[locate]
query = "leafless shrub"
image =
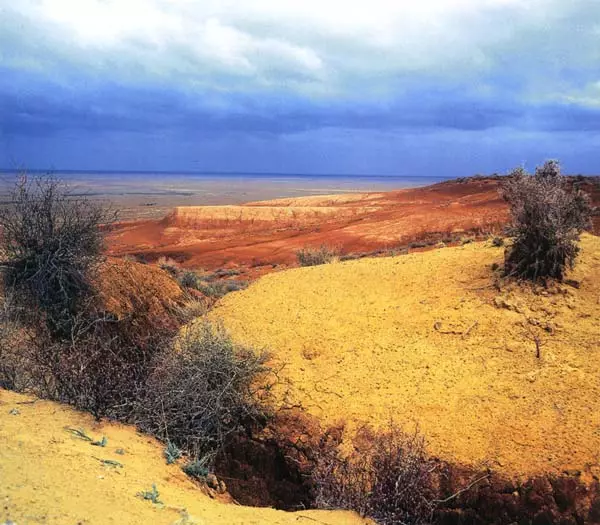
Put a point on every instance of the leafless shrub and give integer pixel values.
(15, 344)
(388, 477)
(201, 394)
(51, 241)
(103, 365)
(547, 219)
(315, 256)
(69, 348)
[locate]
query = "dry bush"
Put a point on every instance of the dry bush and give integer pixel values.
(105, 364)
(69, 348)
(388, 478)
(315, 256)
(547, 219)
(51, 243)
(208, 389)
(15, 345)
(188, 279)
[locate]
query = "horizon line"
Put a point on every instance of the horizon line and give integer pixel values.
(203, 172)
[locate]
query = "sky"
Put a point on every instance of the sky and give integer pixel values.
(421, 87)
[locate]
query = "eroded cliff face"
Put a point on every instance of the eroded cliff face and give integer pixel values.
(270, 232)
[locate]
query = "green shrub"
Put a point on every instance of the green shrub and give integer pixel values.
(198, 469)
(150, 495)
(172, 453)
(218, 289)
(188, 279)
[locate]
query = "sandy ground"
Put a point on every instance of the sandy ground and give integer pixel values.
(49, 476)
(425, 339)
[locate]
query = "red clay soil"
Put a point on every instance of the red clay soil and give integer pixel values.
(261, 235)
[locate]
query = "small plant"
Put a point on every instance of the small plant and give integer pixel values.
(218, 289)
(315, 256)
(188, 279)
(80, 433)
(172, 453)
(102, 443)
(197, 469)
(110, 462)
(150, 495)
(547, 218)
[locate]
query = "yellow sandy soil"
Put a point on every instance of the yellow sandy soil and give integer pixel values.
(425, 339)
(49, 476)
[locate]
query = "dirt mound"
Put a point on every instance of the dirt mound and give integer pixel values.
(125, 286)
(48, 475)
(426, 339)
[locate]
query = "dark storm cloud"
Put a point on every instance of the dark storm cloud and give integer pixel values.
(320, 74)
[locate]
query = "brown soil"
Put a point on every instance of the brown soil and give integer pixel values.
(125, 286)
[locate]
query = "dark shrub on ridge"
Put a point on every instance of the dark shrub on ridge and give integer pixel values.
(51, 243)
(547, 218)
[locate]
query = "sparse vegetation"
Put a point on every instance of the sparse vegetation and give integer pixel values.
(199, 468)
(212, 284)
(203, 393)
(169, 265)
(388, 478)
(547, 218)
(315, 256)
(73, 351)
(218, 289)
(51, 242)
(150, 495)
(188, 279)
(172, 453)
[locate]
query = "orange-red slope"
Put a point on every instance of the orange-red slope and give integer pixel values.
(270, 232)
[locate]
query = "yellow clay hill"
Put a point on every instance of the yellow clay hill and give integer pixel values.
(426, 339)
(49, 476)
